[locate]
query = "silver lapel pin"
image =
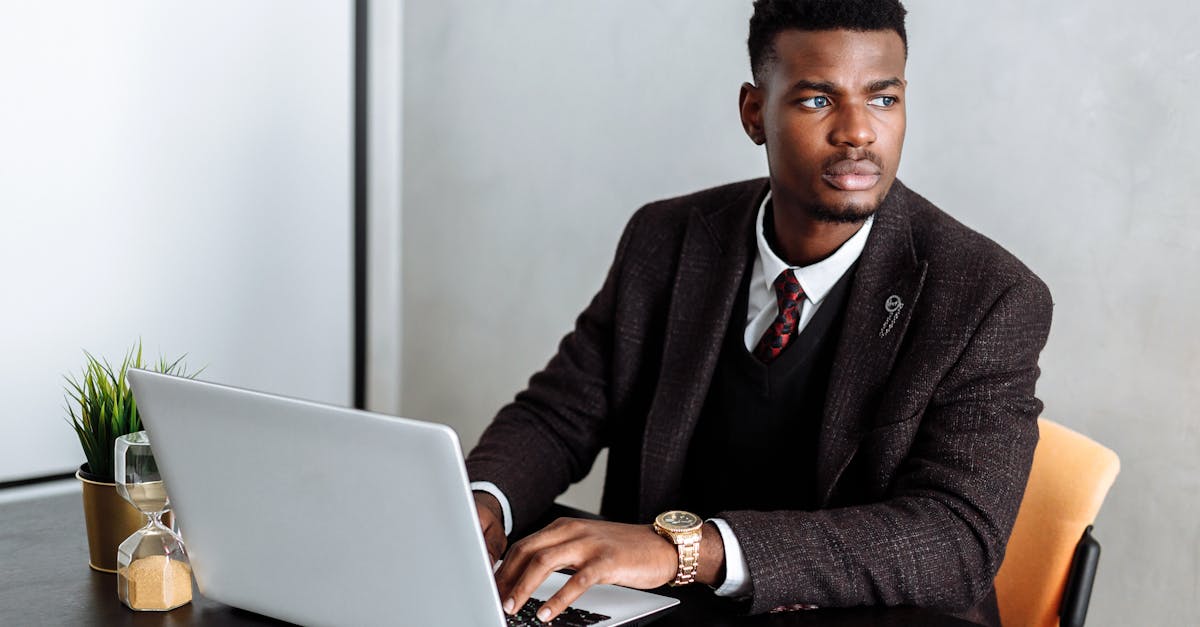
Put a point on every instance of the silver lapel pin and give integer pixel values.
(893, 307)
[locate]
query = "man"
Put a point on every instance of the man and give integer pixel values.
(836, 373)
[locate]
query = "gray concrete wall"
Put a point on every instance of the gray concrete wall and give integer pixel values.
(1065, 131)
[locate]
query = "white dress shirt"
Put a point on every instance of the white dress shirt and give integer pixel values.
(762, 306)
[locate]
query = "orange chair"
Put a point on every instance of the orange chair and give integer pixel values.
(1051, 559)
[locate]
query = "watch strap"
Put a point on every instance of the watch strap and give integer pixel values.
(687, 546)
(689, 560)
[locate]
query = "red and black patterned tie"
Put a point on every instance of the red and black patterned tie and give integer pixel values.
(783, 329)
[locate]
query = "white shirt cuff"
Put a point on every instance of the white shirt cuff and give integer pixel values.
(490, 488)
(737, 572)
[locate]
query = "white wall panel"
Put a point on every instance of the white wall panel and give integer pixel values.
(179, 172)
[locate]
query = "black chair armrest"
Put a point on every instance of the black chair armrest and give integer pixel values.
(1078, 592)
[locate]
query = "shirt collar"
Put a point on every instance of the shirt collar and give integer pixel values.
(818, 278)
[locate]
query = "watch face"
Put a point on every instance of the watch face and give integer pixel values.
(678, 520)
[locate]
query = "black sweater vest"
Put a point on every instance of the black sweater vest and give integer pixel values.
(755, 445)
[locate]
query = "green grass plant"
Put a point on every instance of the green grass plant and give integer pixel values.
(101, 407)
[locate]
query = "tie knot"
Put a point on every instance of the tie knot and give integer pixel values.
(787, 289)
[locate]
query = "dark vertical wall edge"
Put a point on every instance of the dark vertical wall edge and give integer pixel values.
(360, 202)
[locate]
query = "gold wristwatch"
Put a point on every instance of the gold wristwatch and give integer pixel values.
(683, 530)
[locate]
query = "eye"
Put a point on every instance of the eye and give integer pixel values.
(816, 102)
(882, 101)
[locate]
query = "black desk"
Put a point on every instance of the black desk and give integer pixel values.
(45, 580)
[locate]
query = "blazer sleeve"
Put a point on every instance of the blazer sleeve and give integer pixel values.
(938, 538)
(550, 435)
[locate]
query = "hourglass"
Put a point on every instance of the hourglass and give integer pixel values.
(153, 572)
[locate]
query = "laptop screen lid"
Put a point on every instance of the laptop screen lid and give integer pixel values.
(317, 514)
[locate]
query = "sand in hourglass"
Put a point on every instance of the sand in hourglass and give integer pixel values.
(149, 497)
(156, 583)
(152, 582)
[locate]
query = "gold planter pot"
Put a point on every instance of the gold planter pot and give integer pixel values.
(110, 519)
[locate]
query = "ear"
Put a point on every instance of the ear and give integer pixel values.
(750, 105)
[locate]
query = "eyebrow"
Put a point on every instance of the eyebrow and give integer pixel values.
(885, 84)
(805, 85)
(828, 87)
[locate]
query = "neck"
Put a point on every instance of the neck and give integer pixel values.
(801, 240)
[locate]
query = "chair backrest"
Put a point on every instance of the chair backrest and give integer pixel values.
(1070, 477)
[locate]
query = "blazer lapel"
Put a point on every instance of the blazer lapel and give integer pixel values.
(882, 298)
(712, 262)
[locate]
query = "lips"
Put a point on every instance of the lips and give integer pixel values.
(852, 175)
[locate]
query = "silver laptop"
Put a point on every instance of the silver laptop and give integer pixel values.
(322, 515)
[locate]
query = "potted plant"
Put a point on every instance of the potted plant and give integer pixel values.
(101, 409)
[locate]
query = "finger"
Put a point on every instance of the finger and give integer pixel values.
(514, 563)
(583, 579)
(519, 554)
(537, 568)
(521, 557)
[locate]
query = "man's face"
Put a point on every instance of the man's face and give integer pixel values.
(831, 113)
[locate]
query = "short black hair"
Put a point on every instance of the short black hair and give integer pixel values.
(774, 16)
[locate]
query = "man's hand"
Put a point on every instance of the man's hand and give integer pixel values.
(600, 552)
(491, 520)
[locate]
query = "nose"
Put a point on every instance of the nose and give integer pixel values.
(852, 126)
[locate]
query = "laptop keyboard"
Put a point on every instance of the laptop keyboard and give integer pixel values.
(571, 617)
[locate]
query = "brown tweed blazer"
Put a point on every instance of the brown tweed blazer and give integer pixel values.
(928, 430)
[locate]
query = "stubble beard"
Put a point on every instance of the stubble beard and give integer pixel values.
(845, 213)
